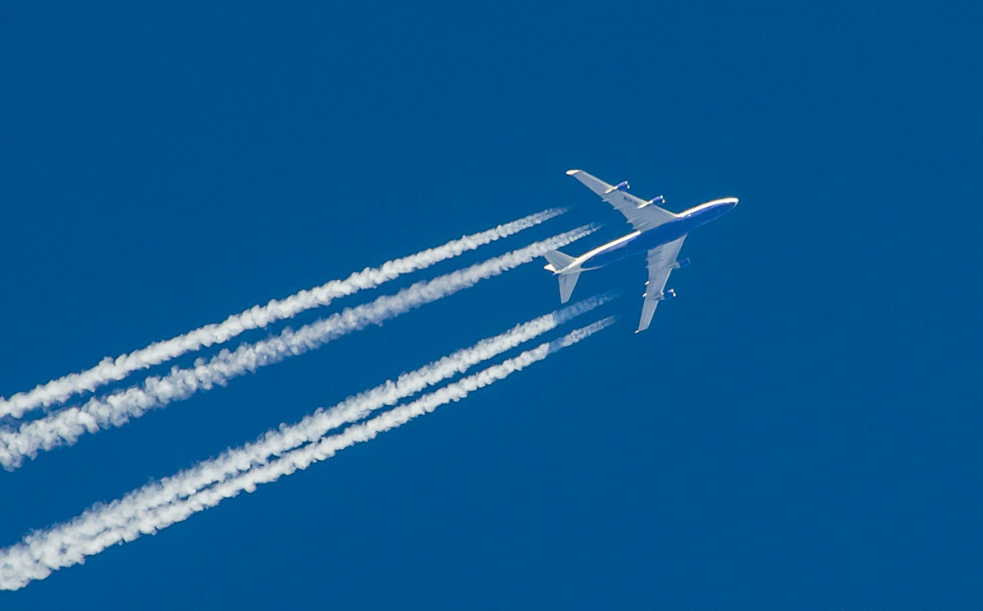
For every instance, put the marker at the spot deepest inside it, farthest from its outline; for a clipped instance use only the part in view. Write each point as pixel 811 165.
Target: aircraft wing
pixel 641 214
pixel 660 264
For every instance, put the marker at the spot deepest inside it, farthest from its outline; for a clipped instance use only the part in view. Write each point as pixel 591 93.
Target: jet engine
pixel 665 296
pixel 658 201
pixel 621 186
pixel 681 263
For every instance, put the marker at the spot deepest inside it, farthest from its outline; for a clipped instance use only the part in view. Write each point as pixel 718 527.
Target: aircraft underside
pixel 659 234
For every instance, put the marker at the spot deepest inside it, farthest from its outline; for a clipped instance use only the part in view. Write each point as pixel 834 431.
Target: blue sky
pixel 800 429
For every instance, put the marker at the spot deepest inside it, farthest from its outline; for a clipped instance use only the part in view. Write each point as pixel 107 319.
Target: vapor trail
pixel 68 544
pixel 313 427
pixel 66 426
pixel 109 370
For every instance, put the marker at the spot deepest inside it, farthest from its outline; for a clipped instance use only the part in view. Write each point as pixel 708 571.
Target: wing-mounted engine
pixel 621 186
pixel 663 296
pixel 655 201
pixel 681 263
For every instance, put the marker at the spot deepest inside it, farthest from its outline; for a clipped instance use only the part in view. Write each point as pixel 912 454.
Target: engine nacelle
pixel 664 296
pixel 658 201
pixel 681 263
pixel 621 186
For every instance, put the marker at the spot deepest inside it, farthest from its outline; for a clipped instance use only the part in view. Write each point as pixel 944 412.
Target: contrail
pixel 109 370
pixel 311 428
pixel 66 426
pixel 42 552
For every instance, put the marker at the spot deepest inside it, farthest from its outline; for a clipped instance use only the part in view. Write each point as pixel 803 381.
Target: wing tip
pixel 572 172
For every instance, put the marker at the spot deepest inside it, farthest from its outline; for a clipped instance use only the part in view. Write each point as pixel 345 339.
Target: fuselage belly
pixel 638 242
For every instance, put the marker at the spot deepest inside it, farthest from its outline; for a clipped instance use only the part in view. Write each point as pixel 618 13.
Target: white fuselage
pixel 638 242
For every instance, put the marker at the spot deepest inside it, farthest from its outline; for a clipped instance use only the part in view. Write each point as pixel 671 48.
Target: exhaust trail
pixel 276 442
pixel 42 552
pixel 110 370
pixel 98 413
pixel 311 428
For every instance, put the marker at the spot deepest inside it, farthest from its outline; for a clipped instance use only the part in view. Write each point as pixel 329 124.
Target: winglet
pixel 572 172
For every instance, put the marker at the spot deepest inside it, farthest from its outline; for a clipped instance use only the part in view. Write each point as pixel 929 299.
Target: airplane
pixel 658 232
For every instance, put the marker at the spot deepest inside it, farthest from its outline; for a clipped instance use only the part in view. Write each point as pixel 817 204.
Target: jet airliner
pixel 658 232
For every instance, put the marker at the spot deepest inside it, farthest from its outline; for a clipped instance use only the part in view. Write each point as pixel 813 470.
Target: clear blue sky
pixel 800 429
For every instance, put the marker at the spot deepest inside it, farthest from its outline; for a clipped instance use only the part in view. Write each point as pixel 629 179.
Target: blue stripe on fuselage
pixel 663 234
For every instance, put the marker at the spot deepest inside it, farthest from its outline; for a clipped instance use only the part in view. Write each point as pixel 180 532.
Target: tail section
pixel 567 282
pixel 557 263
pixel 557 260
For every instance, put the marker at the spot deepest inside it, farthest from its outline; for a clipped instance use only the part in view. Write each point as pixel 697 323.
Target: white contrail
pixel 311 428
pixel 110 370
pixel 67 544
pixel 66 426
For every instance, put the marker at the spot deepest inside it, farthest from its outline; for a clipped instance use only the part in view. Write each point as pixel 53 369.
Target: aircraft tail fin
pixel 567 282
pixel 557 263
pixel 557 260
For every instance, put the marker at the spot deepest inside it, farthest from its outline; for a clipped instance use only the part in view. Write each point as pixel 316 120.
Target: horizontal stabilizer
pixel 558 260
pixel 567 282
